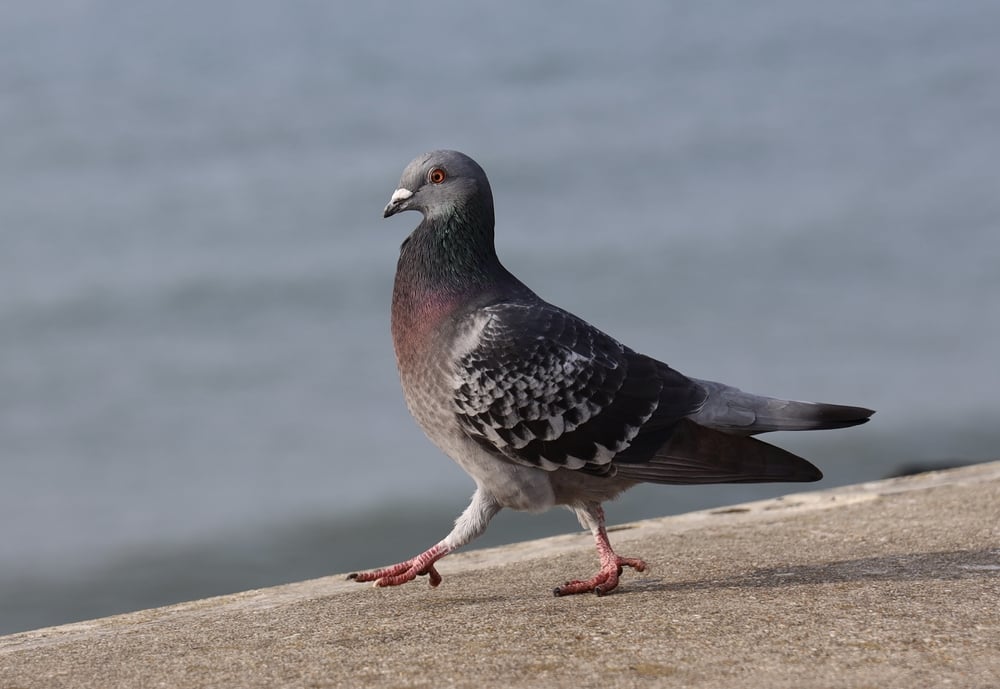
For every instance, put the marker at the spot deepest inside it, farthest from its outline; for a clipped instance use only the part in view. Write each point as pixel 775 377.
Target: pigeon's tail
pixel 734 411
pixel 695 454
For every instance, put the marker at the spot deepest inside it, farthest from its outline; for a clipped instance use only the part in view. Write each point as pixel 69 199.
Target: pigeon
pixel 538 406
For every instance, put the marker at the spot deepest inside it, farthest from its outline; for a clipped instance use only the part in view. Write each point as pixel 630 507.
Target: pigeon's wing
pixel 544 388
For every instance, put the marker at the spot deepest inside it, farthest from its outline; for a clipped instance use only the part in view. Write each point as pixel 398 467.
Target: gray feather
pixel 543 388
pixel 730 409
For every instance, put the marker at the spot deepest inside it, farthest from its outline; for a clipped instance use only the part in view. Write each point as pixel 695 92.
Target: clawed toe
pixel 433 578
pixel 604 581
pixel 600 584
pixel 421 565
pixel 635 563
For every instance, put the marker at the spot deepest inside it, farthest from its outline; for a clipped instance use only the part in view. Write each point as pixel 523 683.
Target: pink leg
pixel 406 571
pixel 470 524
pixel 606 578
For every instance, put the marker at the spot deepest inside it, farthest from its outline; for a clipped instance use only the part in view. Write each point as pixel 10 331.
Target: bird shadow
pixel 938 565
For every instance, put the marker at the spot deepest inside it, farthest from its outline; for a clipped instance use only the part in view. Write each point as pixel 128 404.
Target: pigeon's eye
pixel 437 175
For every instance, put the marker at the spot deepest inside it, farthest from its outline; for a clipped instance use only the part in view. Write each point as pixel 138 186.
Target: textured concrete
pixel 887 584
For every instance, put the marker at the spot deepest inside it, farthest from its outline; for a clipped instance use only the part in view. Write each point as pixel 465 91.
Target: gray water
pixel 197 388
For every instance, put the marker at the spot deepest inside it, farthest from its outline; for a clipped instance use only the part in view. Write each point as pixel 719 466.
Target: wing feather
pixel 544 388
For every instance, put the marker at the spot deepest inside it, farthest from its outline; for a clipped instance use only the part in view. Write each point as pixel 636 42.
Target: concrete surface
pixel 887 584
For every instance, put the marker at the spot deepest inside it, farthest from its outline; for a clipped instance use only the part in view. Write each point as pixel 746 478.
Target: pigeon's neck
pixel 445 265
pixel 453 248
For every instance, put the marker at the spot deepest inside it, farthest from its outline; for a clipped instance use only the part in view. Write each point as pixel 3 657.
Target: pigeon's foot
pixel 398 574
pixel 605 580
pixel 409 570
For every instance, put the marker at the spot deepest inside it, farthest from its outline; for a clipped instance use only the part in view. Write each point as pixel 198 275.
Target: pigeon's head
pixel 442 183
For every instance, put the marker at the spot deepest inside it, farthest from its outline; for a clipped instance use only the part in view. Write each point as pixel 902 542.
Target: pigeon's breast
pixel 427 372
pixel 418 325
pixel 421 332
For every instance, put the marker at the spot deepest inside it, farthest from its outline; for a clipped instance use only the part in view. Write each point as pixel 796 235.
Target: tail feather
pixel 734 411
pixel 696 454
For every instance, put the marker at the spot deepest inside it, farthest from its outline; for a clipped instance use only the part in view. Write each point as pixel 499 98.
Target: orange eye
pixel 437 175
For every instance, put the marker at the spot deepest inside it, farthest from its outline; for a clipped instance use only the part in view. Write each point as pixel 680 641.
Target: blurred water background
pixel 197 388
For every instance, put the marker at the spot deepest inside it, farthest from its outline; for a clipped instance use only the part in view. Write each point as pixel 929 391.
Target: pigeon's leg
pixel 470 524
pixel 592 516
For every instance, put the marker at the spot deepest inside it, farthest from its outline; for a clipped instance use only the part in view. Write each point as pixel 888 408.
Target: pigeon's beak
pixel 398 202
